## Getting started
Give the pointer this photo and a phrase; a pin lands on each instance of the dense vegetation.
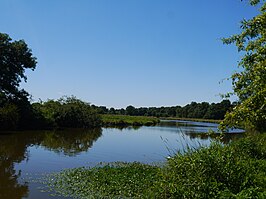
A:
(236, 170)
(249, 84)
(202, 110)
(67, 112)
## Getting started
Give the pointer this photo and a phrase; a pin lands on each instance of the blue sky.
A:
(128, 52)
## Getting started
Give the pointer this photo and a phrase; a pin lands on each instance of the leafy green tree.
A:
(250, 83)
(15, 57)
(130, 110)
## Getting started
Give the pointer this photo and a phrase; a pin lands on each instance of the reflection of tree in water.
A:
(12, 150)
(70, 142)
(121, 128)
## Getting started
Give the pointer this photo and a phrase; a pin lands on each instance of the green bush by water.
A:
(68, 112)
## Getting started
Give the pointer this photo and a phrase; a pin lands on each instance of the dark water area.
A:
(28, 156)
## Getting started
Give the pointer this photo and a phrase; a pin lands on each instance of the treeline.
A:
(67, 112)
(202, 110)
(71, 112)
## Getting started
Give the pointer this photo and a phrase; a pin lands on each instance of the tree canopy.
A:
(15, 57)
(249, 84)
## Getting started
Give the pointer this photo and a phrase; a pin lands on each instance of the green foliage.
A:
(131, 110)
(16, 111)
(236, 170)
(68, 112)
(15, 57)
(250, 83)
(9, 117)
(125, 120)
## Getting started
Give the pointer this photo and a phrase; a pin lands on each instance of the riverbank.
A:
(192, 119)
(235, 170)
(126, 120)
(109, 120)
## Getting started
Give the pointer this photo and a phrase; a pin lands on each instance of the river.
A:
(28, 155)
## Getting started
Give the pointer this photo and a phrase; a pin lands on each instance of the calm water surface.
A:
(26, 156)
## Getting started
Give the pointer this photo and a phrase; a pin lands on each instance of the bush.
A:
(9, 117)
(68, 112)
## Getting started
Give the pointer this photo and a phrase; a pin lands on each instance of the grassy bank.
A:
(191, 119)
(126, 120)
(236, 170)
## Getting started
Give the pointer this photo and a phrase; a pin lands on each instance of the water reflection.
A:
(122, 127)
(13, 150)
(200, 130)
(70, 142)
(183, 123)
(225, 138)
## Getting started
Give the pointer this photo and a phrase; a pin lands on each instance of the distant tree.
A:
(102, 110)
(142, 111)
(130, 110)
(121, 111)
(250, 83)
(112, 110)
(178, 111)
(15, 57)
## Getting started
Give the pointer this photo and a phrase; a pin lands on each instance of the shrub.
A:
(9, 117)
(68, 112)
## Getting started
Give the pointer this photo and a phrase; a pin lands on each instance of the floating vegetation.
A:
(114, 180)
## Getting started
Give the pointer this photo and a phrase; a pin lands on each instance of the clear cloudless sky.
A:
(128, 52)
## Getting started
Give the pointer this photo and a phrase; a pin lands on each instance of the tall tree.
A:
(15, 57)
(250, 83)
